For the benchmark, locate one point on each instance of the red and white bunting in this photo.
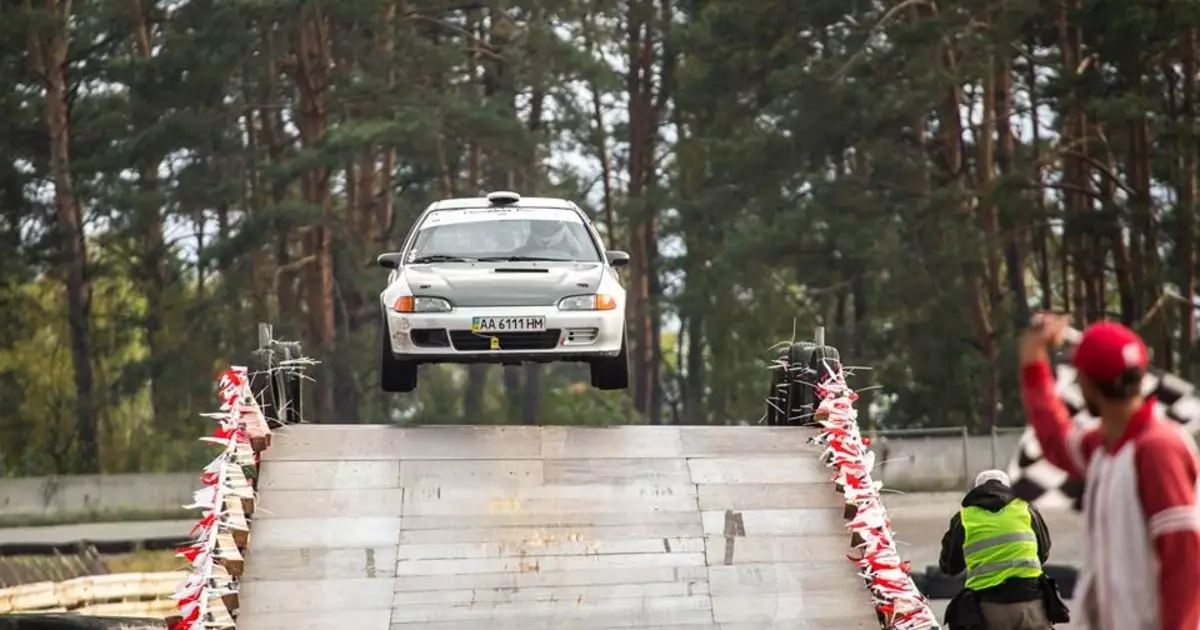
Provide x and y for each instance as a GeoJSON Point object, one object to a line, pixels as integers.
{"type": "Point", "coordinates": [900, 604]}
{"type": "Point", "coordinates": [224, 485]}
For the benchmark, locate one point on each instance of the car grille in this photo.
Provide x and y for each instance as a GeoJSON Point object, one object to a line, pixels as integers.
{"type": "Point", "coordinates": [469, 341]}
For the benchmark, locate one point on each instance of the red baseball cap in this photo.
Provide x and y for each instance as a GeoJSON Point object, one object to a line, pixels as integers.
{"type": "Point", "coordinates": [1107, 351]}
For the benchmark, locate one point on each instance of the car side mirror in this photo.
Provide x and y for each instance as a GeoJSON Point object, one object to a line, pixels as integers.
{"type": "Point", "coordinates": [617, 258]}
{"type": "Point", "coordinates": [390, 260]}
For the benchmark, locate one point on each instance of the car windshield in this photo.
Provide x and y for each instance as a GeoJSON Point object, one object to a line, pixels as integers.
{"type": "Point", "coordinates": [503, 235]}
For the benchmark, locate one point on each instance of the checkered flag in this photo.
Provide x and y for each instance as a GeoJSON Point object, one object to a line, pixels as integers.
{"type": "Point", "coordinates": [1037, 481]}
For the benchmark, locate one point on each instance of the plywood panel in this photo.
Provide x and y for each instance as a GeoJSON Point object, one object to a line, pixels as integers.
{"type": "Point", "coordinates": [370, 502]}
{"type": "Point", "coordinates": [536, 545]}
{"type": "Point", "coordinates": [773, 469]}
{"type": "Point", "coordinates": [374, 619]}
{"type": "Point", "coordinates": [332, 564]}
{"type": "Point", "coordinates": [300, 533]}
{"type": "Point", "coordinates": [617, 471]}
{"type": "Point", "coordinates": [766, 496]}
{"type": "Point", "coordinates": [753, 549]}
{"type": "Point", "coordinates": [622, 442]}
{"type": "Point", "coordinates": [828, 578]}
{"type": "Point", "coordinates": [682, 528]}
{"type": "Point", "coordinates": [680, 519]}
{"type": "Point", "coordinates": [815, 522]}
{"type": "Point", "coordinates": [755, 441]}
{"type": "Point", "coordinates": [487, 473]}
{"type": "Point", "coordinates": [547, 563]}
{"type": "Point", "coordinates": [633, 613]}
{"type": "Point", "coordinates": [287, 596]}
{"type": "Point", "coordinates": [340, 475]}
{"type": "Point", "coordinates": [471, 443]}
{"type": "Point", "coordinates": [837, 612]}
{"type": "Point", "coordinates": [544, 579]}
{"type": "Point", "coordinates": [541, 507]}
{"type": "Point", "coordinates": [546, 594]}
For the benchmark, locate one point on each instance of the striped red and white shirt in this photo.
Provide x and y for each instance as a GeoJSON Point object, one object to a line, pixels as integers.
{"type": "Point", "coordinates": [1143, 522]}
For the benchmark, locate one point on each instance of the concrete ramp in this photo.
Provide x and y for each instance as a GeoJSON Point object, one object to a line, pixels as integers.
{"type": "Point", "coordinates": [530, 528]}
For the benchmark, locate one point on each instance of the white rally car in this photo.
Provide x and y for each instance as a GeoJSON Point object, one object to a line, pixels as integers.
{"type": "Point", "coordinates": [503, 279]}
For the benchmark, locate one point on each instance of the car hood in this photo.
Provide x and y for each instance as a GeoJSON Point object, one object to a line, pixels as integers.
{"type": "Point", "coordinates": [504, 284]}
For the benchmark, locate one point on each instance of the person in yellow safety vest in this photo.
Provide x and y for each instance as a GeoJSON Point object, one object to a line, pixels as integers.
{"type": "Point", "coordinates": [1000, 542]}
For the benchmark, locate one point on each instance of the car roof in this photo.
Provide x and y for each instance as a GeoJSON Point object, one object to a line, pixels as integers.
{"type": "Point", "coordinates": [482, 202]}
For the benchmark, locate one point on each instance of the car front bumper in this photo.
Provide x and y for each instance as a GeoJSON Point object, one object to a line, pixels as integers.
{"type": "Point", "coordinates": [447, 337]}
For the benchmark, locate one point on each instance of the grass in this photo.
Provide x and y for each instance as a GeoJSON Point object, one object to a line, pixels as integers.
{"type": "Point", "coordinates": [84, 518]}
{"type": "Point", "coordinates": [145, 562]}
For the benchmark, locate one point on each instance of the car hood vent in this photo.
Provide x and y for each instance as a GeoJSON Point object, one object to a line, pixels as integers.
{"type": "Point", "coordinates": [521, 270]}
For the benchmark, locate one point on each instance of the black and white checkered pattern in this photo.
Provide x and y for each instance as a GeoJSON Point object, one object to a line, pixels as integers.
{"type": "Point", "coordinates": [1036, 481]}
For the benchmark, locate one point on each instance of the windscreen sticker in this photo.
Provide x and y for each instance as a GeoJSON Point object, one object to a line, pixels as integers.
{"type": "Point", "coordinates": [449, 217]}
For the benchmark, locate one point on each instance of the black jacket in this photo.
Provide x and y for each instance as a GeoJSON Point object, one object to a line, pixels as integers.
{"type": "Point", "coordinates": [993, 496]}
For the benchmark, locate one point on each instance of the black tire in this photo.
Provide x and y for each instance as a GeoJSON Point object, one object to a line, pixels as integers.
{"type": "Point", "coordinates": [800, 395]}
{"type": "Point", "coordinates": [822, 361]}
{"type": "Point", "coordinates": [395, 376]}
{"type": "Point", "coordinates": [612, 373]}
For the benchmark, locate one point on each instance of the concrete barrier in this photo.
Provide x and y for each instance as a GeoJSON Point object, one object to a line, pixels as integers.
{"type": "Point", "coordinates": [73, 495]}
{"type": "Point", "coordinates": [940, 462]}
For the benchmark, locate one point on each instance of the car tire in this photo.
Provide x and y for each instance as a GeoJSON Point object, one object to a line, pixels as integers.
{"type": "Point", "coordinates": [823, 360]}
{"type": "Point", "coordinates": [395, 376]}
{"type": "Point", "coordinates": [778, 394]}
{"type": "Point", "coordinates": [612, 373]}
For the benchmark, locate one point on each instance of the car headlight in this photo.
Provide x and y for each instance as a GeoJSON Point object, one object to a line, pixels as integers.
{"type": "Point", "coordinates": [595, 302]}
{"type": "Point", "coordinates": [410, 304]}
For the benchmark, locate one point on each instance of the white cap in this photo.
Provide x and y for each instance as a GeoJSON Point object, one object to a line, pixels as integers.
{"type": "Point", "coordinates": [991, 475]}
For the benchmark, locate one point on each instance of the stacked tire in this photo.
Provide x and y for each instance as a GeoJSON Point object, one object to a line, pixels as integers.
{"type": "Point", "coordinates": [798, 370]}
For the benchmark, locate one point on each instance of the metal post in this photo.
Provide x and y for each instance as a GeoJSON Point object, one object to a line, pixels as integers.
{"type": "Point", "coordinates": [966, 461]}
{"type": "Point", "coordinates": [993, 447]}
{"type": "Point", "coordinates": [819, 337]}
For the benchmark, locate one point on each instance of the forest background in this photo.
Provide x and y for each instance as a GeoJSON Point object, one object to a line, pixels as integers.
{"type": "Point", "coordinates": [914, 175]}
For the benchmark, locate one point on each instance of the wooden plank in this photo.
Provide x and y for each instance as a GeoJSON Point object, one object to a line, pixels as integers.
{"type": "Point", "coordinates": [373, 619]}
{"type": "Point", "coordinates": [831, 549]}
{"type": "Point", "coordinates": [816, 522]}
{"type": "Point", "coordinates": [581, 507]}
{"type": "Point", "coordinates": [859, 622]}
{"type": "Point", "coordinates": [784, 578]}
{"type": "Point", "coordinates": [766, 496]}
{"type": "Point", "coordinates": [547, 563]}
{"type": "Point", "coordinates": [698, 621]}
{"type": "Point", "coordinates": [332, 564]}
{"type": "Point", "coordinates": [617, 442]}
{"type": "Point", "coordinates": [501, 535]}
{"type": "Point", "coordinates": [629, 613]}
{"type": "Point", "coordinates": [289, 596]}
{"type": "Point", "coordinates": [317, 443]}
{"type": "Point", "coordinates": [680, 519]}
{"type": "Point", "coordinates": [491, 473]}
{"type": "Point", "coordinates": [471, 442]}
{"type": "Point", "coordinates": [330, 503]}
{"type": "Point", "coordinates": [538, 545]}
{"type": "Point", "coordinates": [550, 593]}
{"type": "Point", "coordinates": [616, 471]}
{"type": "Point", "coordinates": [836, 612]}
{"type": "Point", "coordinates": [631, 492]}
{"type": "Point", "coordinates": [543, 579]}
{"type": "Point", "coordinates": [741, 441]}
{"type": "Point", "coordinates": [766, 469]}
{"type": "Point", "coordinates": [307, 475]}
{"type": "Point", "coordinates": [300, 533]}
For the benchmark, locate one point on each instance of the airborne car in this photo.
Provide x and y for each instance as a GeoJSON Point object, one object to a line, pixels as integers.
{"type": "Point", "coordinates": [507, 280]}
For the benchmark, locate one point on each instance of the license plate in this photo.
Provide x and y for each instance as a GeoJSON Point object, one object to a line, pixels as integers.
{"type": "Point", "coordinates": [507, 324]}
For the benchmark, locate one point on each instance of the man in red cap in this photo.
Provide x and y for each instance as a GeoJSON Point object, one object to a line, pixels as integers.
{"type": "Point", "coordinates": [1142, 518]}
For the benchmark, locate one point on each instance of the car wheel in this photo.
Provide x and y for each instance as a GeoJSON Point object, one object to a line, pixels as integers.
{"type": "Point", "coordinates": [778, 394]}
{"type": "Point", "coordinates": [612, 372]}
{"type": "Point", "coordinates": [395, 376]}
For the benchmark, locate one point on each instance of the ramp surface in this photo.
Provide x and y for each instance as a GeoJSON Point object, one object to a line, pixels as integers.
{"type": "Point", "coordinates": [529, 528]}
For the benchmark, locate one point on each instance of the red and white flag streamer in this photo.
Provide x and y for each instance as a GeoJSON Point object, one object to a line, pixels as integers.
{"type": "Point", "coordinates": [225, 484]}
{"type": "Point", "coordinates": [899, 603]}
